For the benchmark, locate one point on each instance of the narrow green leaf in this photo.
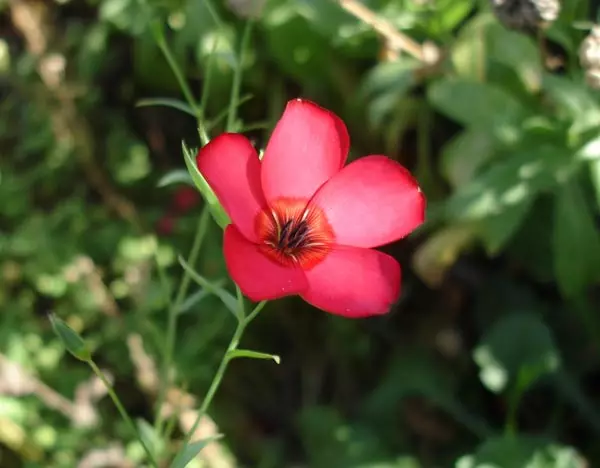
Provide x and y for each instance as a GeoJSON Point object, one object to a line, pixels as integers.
{"type": "Point", "coordinates": [178, 176]}
{"type": "Point", "coordinates": [167, 102]}
{"type": "Point", "coordinates": [215, 207]}
{"type": "Point", "coordinates": [72, 342]}
{"type": "Point", "coordinates": [149, 436]}
{"type": "Point", "coordinates": [246, 353]}
{"type": "Point", "coordinates": [191, 451]}
{"type": "Point", "coordinates": [197, 297]}
{"type": "Point", "coordinates": [576, 242]}
{"type": "Point", "coordinates": [226, 297]}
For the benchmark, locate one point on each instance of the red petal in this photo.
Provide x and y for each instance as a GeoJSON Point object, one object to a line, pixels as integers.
{"type": "Point", "coordinates": [309, 144]}
{"type": "Point", "coordinates": [259, 277]}
{"type": "Point", "coordinates": [371, 202]}
{"type": "Point", "coordinates": [230, 165]}
{"type": "Point", "coordinates": [354, 282]}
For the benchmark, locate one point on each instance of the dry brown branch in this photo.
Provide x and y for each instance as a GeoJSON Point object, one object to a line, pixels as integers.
{"type": "Point", "coordinates": [71, 129]}
{"type": "Point", "coordinates": [16, 381]}
{"type": "Point", "coordinates": [395, 40]}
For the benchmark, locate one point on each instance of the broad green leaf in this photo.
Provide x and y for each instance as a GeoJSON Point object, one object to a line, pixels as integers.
{"type": "Point", "coordinates": [440, 251]}
{"type": "Point", "coordinates": [574, 102]}
{"type": "Point", "coordinates": [177, 176]}
{"type": "Point", "coordinates": [496, 230]}
{"type": "Point", "coordinates": [511, 182]}
{"type": "Point", "coordinates": [191, 451]}
{"type": "Point", "coordinates": [448, 14]}
{"type": "Point", "coordinates": [247, 353]}
{"type": "Point", "coordinates": [390, 77]}
{"type": "Point", "coordinates": [522, 452]}
{"type": "Point", "coordinates": [518, 52]}
{"type": "Point", "coordinates": [72, 342]}
{"type": "Point", "coordinates": [468, 53]}
{"type": "Point", "coordinates": [595, 176]}
{"type": "Point", "coordinates": [167, 102]}
{"type": "Point", "coordinates": [226, 297]}
{"type": "Point", "coordinates": [209, 196]}
{"type": "Point", "coordinates": [576, 242]}
{"type": "Point", "coordinates": [464, 155]}
{"type": "Point", "coordinates": [475, 104]}
{"type": "Point", "coordinates": [518, 345]}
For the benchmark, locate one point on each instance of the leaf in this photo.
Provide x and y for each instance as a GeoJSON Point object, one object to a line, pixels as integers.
{"type": "Point", "coordinates": [594, 167]}
{"type": "Point", "coordinates": [576, 242]}
{"type": "Point", "coordinates": [448, 14]}
{"type": "Point", "coordinates": [468, 52]}
{"type": "Point", "coordinates": [518, 345]}
{"type": "Point", "coordinates": [226, 297]}
{"type": "Point", "coordinates": [440, 251]}
{"type": "Point", "coordinates": [177, 176]}
{"type": "Point", "coordinates": [197, 297]}
{"type": "Point", "coordinates": [167, 102]}
{"type": "Point", "coordinates": [246, 353]}
{"type": "Point", "coordinates": [72, 342]}
{"type": "Point", "coordinates": [518, 52]}
{"type": "Point", "coordinates": [389, 77]}
{"type": "Point", "coordinates": [475, 104]}
{"type": "Point", "coordinates": [191, 451]}
{"type": "Point", "coordinates": [149, 436]}
{"type": "Point", "coordinates": [215, 207]}
{"type": "Point", "coordinates": [511, 182]}
{"type": "Point", "coordinates": [522, 451]}
{"type": "Point", "coordinates": [496, 230]}
{"type": "Point", "coordinates": [464, 155]}
{"type": "Point", "coordinates": [575, 103]}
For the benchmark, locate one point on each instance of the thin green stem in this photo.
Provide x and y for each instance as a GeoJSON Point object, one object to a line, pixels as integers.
{"type": "Point", "coordinates": [254, 313]}
{"type": "Point", "coordinates": [237, 78]}
{"type": "Point", "coordinates": [122, 411]}
{"type": "Point", "coordinates": [183, 84]}
{"type": "Point", "coordinates": [216, 382]}
{"type": "Point", "coordinates": [514, 398]}
{"type": "Point", "coordinates": [173, 313]}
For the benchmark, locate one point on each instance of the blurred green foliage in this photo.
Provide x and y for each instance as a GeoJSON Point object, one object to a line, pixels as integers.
{"type": "Point", "coordinates": [490, 359]}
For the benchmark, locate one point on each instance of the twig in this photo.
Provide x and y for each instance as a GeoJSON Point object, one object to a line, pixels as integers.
{"type": "Point", "coordinates": [395, 39]}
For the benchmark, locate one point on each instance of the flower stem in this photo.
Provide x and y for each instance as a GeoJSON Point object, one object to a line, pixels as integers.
{"type": "Point", "coordinates": [122, 411]}
{"type": "Point", "coordinates": [173, 313]}
{"type": "Point", "coordinates": [216, 382]}
{"type": "Point", "coordinates": [237, 78]}
{"type": "Point", "coordinates": [159, 36]}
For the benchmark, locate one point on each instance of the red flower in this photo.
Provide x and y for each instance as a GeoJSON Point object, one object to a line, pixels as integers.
{"type": "Point", "coordinates": [185, 198]}
{"type": "Point", "coordinates": [165, 225]}
{"type": "Point", "coordinates": [304, 224]}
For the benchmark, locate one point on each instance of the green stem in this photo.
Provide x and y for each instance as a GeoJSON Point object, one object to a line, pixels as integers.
{"type": "Point", "coordinates": [237, 78]}
{"type": "Point", "coordinates": [173, 313]}
{"type": "Point", "coordinates": [183, 84]}
{"type": "Point", "coordinates": [122, 411]}
{"type": "Point", "coordinates": [514, 398]}
{"type": "Point", "coordinates": [216, 382]}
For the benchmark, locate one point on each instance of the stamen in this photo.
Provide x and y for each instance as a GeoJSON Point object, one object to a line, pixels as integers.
{"type": "Point", "coordinates": [293, 233]}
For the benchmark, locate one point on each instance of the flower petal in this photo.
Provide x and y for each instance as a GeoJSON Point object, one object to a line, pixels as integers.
{"type": "Point", "coordinates": [371, 202]}
{"type": "Point", "coordinates": [259, 277]}
{"type": "Point", "coordinates": [354, 282]}
{"type": "Point", "coordinates": [309, 144]}
{"type": "Point", "coordinates": [230, 165]}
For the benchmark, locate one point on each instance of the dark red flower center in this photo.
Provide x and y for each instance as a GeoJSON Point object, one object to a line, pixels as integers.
{"type": "Point", "coordinates": [294, 232]}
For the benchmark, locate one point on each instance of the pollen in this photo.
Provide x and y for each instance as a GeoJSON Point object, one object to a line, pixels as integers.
{"type": "Point", "coordinates": [294, 232]}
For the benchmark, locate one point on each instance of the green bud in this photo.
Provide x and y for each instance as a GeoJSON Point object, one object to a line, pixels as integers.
{"type": "Point", "coordinates": [72, 342]}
